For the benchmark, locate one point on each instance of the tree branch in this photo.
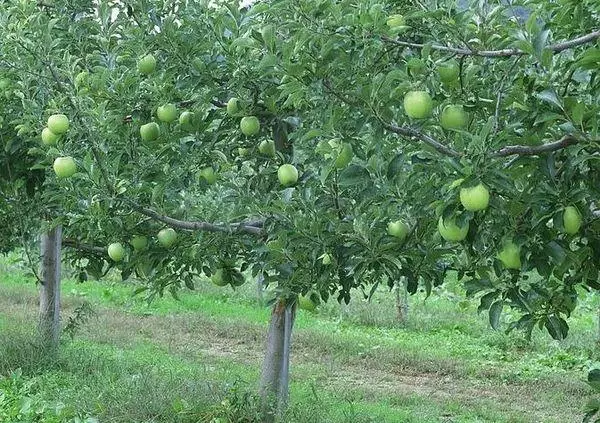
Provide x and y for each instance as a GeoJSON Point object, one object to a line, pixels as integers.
{"type": "Point", "coordinates": [507, 52]}
{"type": "Point", "coordinates": [252, 228]}
{"type": "Point", "coordinates": [413, 133]}
{"type": "Point", "coordinates": [73, 243]}
{"type": "Point", "coordinates": [533, 150]}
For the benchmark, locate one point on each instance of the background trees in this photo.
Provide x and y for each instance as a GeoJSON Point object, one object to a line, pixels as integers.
{"type": "Point", "coordinates": [384, 120]}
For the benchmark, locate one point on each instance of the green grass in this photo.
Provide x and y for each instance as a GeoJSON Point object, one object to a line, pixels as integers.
{"type": "Point", "coordinates": [199, 358]}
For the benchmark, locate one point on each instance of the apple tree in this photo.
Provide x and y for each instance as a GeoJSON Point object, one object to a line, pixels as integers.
{"type": "Point", "coordinates": [327, 146]}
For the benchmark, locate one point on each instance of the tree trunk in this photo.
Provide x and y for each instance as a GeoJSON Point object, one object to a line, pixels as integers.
{"type": "Point", "coordinates": [49, 323]}
{"type": "Point", "coordinates": [274, 381]}
{"type": "Point", "coordinates": [401, 301]}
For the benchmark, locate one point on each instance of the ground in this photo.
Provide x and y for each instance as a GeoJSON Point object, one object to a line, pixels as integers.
{"type": "Point", "coordinates": [198, 359]}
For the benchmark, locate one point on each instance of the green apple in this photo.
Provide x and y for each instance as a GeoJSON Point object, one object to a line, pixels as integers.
{"type": "Point", "coordinates": [186, 119]}
{"type": "Point", "coordinates": [233, 106]}
{"type": "Point", "coordinates": [475, 198]}
{"type": "Point", "coordinates": [510, 255]}
{"type": "Point", "coordinates": [345, 157]}
{"type": "Point", "coordinates": [139, 242]}
{"type": "Point", "coordinates": [147, 64]}
{"type": "Point", "coordinates": [58, 124]}
{"type": "Point", "coordinates": [208, 173]}
{"type": "Point", "coordinates": [167, 237]}
{"type": "Point", "coordinates": [167, 113]}
{"type": "Point", "coordinates": [453, 117]}
{"type": "Point", "coordinates": [449, 71]}
{"type": "Point", "coordinates": [450, 231]}
{"type": "Point", "coordinates": [418, 104]}
{"type": "Point", "coordinates": [398, 229]}
{"type": "Point", "coordinates": [287, 175]}
{"type": "Point", "coordinates": [116, 251]}
{"type": "Point", "coordinates": [243, 151]}
{"type": "Point", "coordinates": [49, 137]}
{"type": "Point", "coordinates": [250, 126]}
{"type": "Point", "coordinates": [220, 277]}
{"type": "Point", "coordinates": [267, 148]}
{"type": "Point", "coordinates": [4, 83]}
{"type": "Point", "coordinates": [150, 131]}
{"type": "Point", "coordinates": [81, 78]}
{"type": "Point", "coordinates": [64, 167]}
{"type": "Point", "coordinates": [305, 303]}
{"type": "Point", "coordinates": [571, 220]}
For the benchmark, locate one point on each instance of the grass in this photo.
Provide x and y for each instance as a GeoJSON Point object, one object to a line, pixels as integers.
{"type": "Point", "coordinates": [198, 359]}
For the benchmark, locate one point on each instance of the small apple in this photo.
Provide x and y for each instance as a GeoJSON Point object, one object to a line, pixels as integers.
{"type": "Point", "coordinates": [139, 242]}
{"type": "Point", "coordinates": [147, 64]}
{"type": "Point", "coordinates": [250, 126]}
{"type": "Point", "coordinates": [450, 231]}
{"type": "Point", "coordinates": [150, 131]}
{"type": "Point", "coordinates": [287, 174]}
{"type": "Point", "coordinates": [167, 113]}
{"type": "Point", "coordinates": [116, 251]}
{"type": "Point", "coordinates": [186, 119]}
{"type": "Point", "coordinates": [398, 229]}
{"type": "Point", "coordinates": [166, 237]}
{"type": "Point", "coordinates": [267, 148]}
{"type": "Point", "coordinates": [345, 157]}
{"type": "Point", "coordinates": [243, 151]}
{"type": "Point", "coordinates": [49, 137]}
{"type": "Point", "coordinates": [220, 277]}
{"type": "Point", "coordinates": [4, 83]}
{"type": "Point", "coordinates": [510, 255]}
{"type": "Point", "coordinates": [571, 220]}
{"type": "Point", "coordinates": [453, 117]}
{"type": "Point", "coordinates": [418, 104]}
{"type": "Point", "coordinates": [449, 71]}
{"type": "Point", "coordinates": [58, 124]}
{"type": "Point", "coordinates": [233, 106]}
{"type": "Point", "coordinates": [475, 198]}
{"type": "Point", "coordinates": [305, 302]}
{"type": "Point", "coordinates": [208, 173]}
{"type": "Point", "coordinates": [64, 167]}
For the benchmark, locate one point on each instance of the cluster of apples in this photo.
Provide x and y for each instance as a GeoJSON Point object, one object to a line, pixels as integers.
{"type": "Point", "coordinates": [166, 238]}
{"type": "Point", "coordinates": [57, 126]}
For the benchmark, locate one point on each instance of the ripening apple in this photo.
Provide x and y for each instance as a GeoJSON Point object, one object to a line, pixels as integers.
{"type": "Point", "coordinates": [453, 117]}
{"type": "Point", "coordinates": [475, 198]}
{"type": "Point", "coordinates": [58, 124]}
{"type": "Point", "coordinates": [220, 277]}
{"type": "Point", "coordinates": [267, 148]}
{"type": "Point", "coordinates": [418, 104]}
{"type": "Point", "coordinates": [287, 175]}
{"type": "Point", "coordinates": [116, 251]}
{"type": "Point", "coordinates": [186, 119]}
{"type": "Point", "coordinates": [398, 229]}
{"type": "Point", "coordinates": [150, 131]}
{"type": "Point", "coordinates": [233, 106]}
{"type": "Point", "coordinates": [147, 64]}
{"type": "Point", "coordinates": [571, 220]}
{"type": "Point", "coordinates": [450, 231]}
{"type": "Point", "coordinates": [64, 167]}
{"type": "Point", "coordinates": [139, 242]}
{"type": "Point", "coordinates": [166, 237]}
{"type": "Point", "coordinates": [208, 173]}
{"type": "Point", "coordinates": [250, 126]}
{"type": "Point", "coordinates": [345, 157]}
{"type": "Point", "coordinates": [49, 137]}
{"type": "Point", "coordinates": [510, 255]}
{"type": "Point", "coordinates": [167, 113]}
{"type": "Point", "coordinates": [306, 303]}
{"type": "Point", "coordinates": [449, 71]}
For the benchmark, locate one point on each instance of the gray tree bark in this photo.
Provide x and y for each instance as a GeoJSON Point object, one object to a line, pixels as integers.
{"type": "Point", "coordinates": [274, 382]}
{"type": "Point", "coordinates": [49, 319]}
{"type": "Point", "coordinates": [401, 301]}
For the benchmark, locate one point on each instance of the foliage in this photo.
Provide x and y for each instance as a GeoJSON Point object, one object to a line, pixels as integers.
{"type": "Point", "coordinates": [319, 75]}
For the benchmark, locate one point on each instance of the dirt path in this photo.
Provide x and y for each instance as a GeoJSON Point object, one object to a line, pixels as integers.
{"type": "Point", "coordinates": [194, 336]}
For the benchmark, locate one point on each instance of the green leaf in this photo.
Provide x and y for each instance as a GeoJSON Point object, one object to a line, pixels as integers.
{"type": "Point", "coordinates": [494, 314]}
